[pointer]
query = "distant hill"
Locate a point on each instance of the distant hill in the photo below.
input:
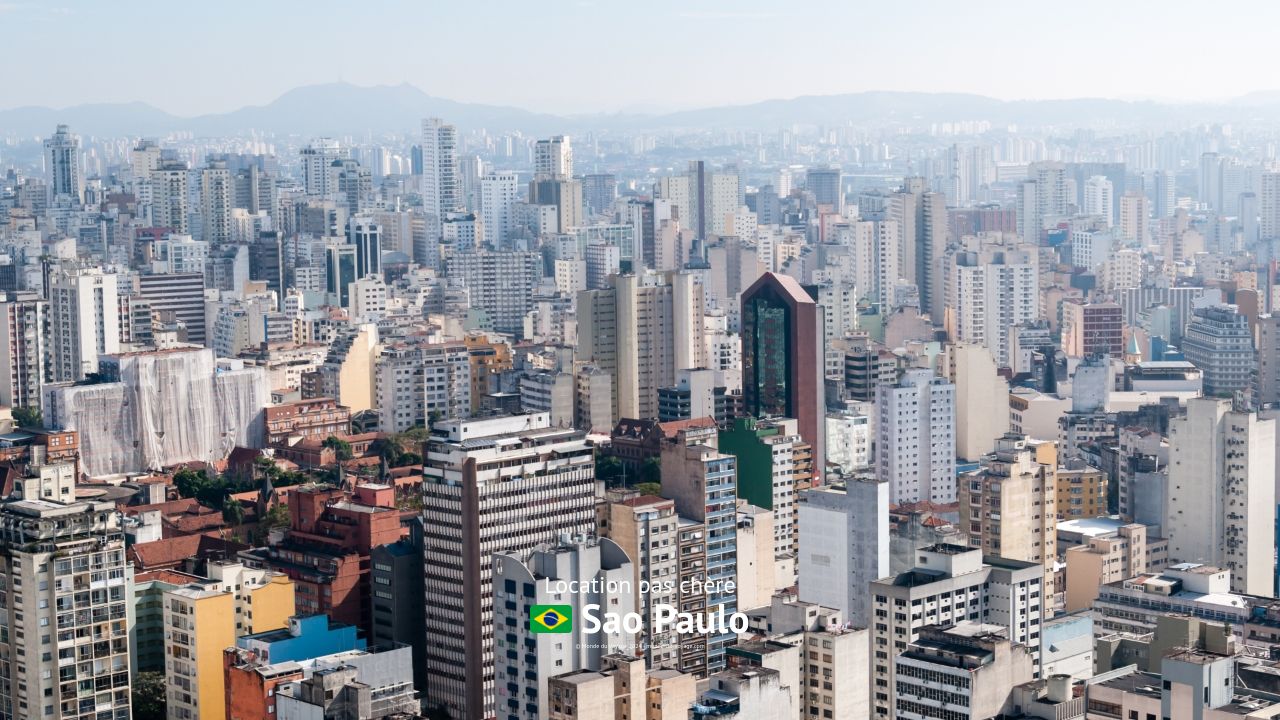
(344, 109)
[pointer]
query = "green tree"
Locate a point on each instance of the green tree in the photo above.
(28, 417)
(148, 696)
(233, 512)
(651, 471)
(609, 470)
(648, 488)
(277, 516)
(341, 448)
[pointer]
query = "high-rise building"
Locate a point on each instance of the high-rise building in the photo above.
(366, 236)
(1135, 218)
(84, 321)
(950, 584)
(340, 273)
(416, 384)
(771, 468)
(844, 545)
(783, 357)
(599, 191)
(499, 283)
(600, 573)
(553, 157)
(24, 341)
(1219, 342)
(921, 220)
(1043, 199)
(701, 480)
(170, 204)
(982, 407)
(992, 288)
(62, 162)
(217, 197)
(1008, 506)
(1099, 198)
(1269, 207)
(824, 184)
(317, 166)
(499, 193)
(941, 670)
(501, 484)
(1165, 193)
(916, 449)
(642, 330)
(619, 689)
(54, 548)
(176, 298)
(440, 193)
(1221, 507)
(1266, 383)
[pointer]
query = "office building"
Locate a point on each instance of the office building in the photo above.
(553, 157)
(1092, 328)
(366, 236)
(916, 447)
(501, 484)
(782, 357)
(844, 545)
(824, 184)
(1218, 340)
(1221, 505)
(499, 284)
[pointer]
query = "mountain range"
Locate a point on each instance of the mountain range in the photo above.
(345, 109)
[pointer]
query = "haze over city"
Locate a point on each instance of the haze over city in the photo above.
(665, 361)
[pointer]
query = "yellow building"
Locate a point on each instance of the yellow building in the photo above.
(204, 618)
(489, 359)
(1082, 493)
(197, 628)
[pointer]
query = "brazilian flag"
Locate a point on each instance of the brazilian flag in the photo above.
(551, 619)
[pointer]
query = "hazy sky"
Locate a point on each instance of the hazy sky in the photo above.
(573, 56)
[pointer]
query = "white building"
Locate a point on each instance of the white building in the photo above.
(84, 321)
(439, 175)
(415, 384)
(1221, 507)
(844, 545)
(62, 161)
(499, 192)
(522, 581)
(916, 451)
(849, 438)
(992, 287)
(951, 584)
(498, 484)
(1099, 198)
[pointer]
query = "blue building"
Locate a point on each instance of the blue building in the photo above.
(306, 637)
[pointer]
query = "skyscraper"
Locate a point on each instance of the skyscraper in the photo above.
(824, 183)
(502, 484)
(317, 166)
(216, 200)
(62, 160)
(921, 218)
(916, 449)
(1220, 508)
(992, 287)
(782, 357)
(642, 330)
(1043, 198)
(169, 202)
(439, 174)
(366, 236)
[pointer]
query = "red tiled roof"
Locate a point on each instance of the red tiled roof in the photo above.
(168, 553)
